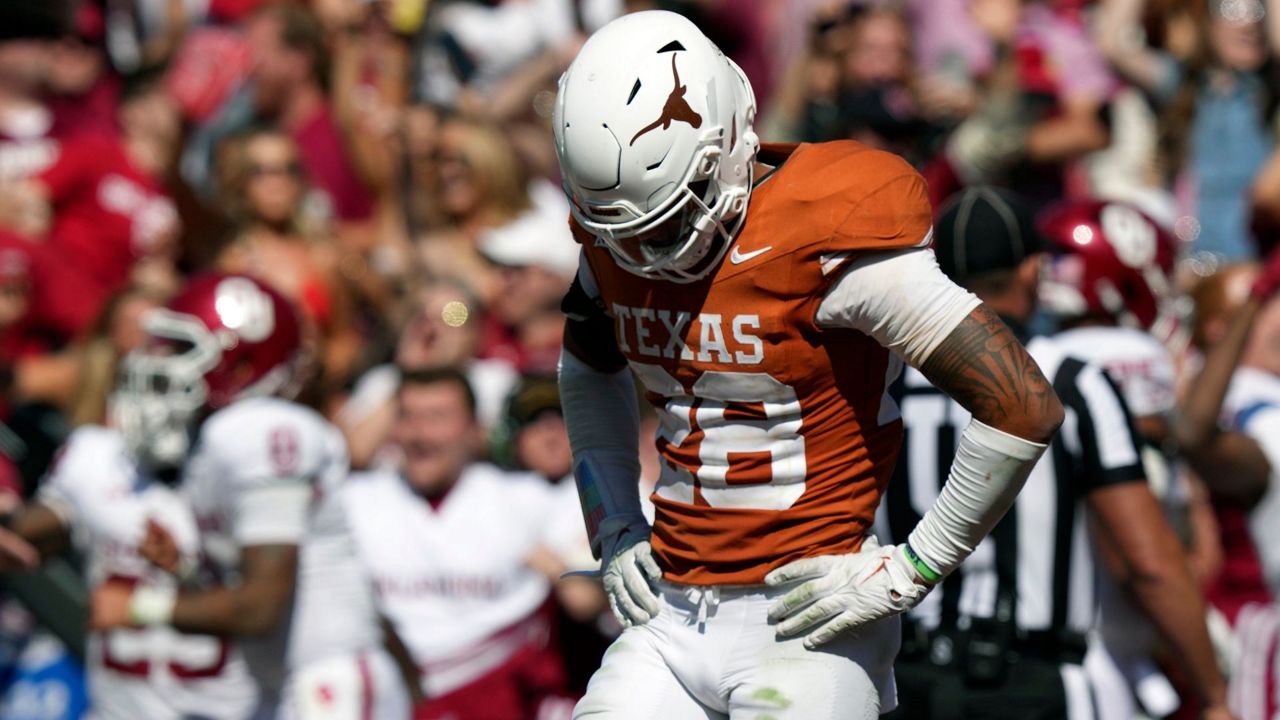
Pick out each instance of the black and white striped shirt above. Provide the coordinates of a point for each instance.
(1036, 568)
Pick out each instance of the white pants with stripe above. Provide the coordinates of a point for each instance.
(359, 686)
(712, 654)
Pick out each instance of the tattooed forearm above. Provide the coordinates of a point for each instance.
(984, 368)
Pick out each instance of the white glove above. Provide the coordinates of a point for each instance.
(629, 574)
(844, 591)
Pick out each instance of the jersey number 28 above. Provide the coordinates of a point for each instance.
(735, 436)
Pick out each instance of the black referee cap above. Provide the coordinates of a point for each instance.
(984, 229)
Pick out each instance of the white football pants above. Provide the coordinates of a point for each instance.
(712, 654)
(359, 686)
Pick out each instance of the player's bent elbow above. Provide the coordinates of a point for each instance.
(1053, 418)
(1040, 424)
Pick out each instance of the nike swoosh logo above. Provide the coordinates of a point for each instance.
(884, 562)
(737, 258)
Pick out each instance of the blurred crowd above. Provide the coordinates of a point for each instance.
(388, 166)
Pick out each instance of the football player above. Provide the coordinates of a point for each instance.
(763, 297)
(1231, 435)
(97, 499)
(1109, 281)
(209, 393)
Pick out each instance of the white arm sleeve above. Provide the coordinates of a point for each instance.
(603, 422)
(1264, 518)
(272, 514)
(901, 298)
(986, 475)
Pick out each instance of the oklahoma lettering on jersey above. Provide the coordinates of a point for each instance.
(454, 579)
(776, 436)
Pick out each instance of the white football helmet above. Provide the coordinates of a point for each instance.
(653, 129)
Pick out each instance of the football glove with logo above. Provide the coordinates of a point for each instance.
(840, 592)
(629, 574)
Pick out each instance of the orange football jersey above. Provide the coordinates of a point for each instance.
(776, 436)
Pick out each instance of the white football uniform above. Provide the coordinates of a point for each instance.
(1252, 406)
(1119, 663)
(155, 673)
(265, 471)
(453, 579)
(712, 653)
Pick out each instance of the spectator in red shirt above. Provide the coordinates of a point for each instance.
(289, 71)
(109, 215)
(27, 28)
(85, 92)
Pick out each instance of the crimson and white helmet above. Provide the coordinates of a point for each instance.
(1109, 260)
(221, 339)
(653, 129)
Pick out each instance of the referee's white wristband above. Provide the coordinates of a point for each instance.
(152, 605)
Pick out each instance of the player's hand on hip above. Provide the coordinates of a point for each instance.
(629, 576)
(840, 592)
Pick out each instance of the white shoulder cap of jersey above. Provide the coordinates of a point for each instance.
(270, 439)
(92, 468)
(85, 453)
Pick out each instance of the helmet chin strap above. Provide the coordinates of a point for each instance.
(684, 267)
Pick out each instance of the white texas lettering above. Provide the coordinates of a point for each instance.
(655, 333)
(742, 337)
(642, 332)
(675, 335)
(712, 339)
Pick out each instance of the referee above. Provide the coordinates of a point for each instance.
(1004, 635)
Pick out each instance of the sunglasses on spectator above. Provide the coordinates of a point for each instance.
(292, 169)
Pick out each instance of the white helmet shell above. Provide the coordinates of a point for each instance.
(654, 123)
